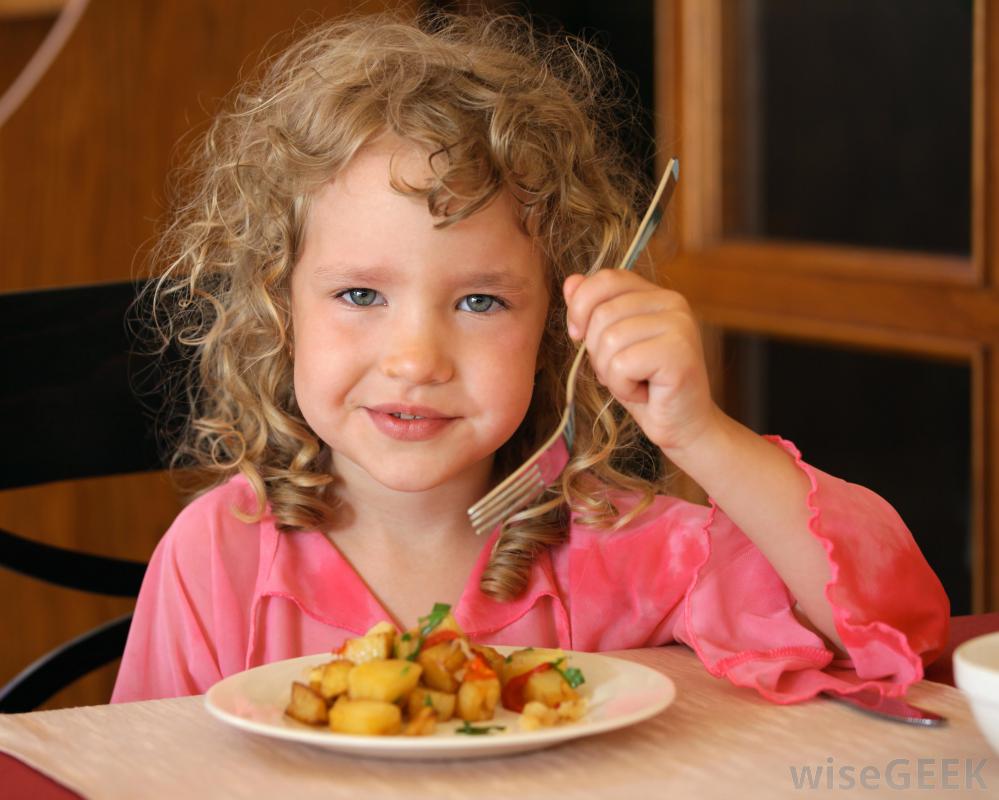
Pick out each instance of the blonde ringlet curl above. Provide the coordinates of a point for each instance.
(499, 106)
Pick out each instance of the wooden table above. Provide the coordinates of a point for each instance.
(716, 740)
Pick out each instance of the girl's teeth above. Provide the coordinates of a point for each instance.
(406, 416)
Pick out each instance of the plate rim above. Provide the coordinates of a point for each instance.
(415, 745)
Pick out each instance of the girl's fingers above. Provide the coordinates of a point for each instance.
(621, 334)
(632, 372)
(584, 293)
(572, 283)
(658, 308)
(596, 301)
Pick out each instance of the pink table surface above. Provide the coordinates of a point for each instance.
(21, 781)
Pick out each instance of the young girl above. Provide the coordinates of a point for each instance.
(398, 238)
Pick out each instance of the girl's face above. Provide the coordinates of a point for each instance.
(395, 319)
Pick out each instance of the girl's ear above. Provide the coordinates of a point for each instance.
(539, 359)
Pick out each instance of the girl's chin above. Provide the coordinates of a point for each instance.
(414, 484)
(416, 477)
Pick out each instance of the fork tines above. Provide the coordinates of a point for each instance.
(516, 492)
(545, 466)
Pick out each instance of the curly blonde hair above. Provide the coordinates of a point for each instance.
(511, 108)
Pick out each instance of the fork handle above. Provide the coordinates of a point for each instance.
(570, 383)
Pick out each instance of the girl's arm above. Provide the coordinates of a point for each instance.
(644, 345)
(761, 489)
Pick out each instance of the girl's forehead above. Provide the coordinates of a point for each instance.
(361, 215)
(386, 160)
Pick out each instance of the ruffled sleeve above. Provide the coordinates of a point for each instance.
(889, 607)
(188, 629)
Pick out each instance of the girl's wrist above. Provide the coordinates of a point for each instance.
(704, 454)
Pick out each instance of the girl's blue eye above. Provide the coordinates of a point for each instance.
(479, 303)
(359, 297)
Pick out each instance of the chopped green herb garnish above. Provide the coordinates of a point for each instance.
(427, 624)
(406, 669)
(480, 730)
(428, 700)
(407, 636)
(434, 618)
(573, 676)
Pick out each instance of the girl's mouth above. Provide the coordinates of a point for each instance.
(405, 426)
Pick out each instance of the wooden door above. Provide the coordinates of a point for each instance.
(894, 295)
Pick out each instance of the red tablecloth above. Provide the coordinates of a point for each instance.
(961, 629)
(21, 781)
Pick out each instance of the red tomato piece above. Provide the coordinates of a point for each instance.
(437, 637)
(513, 692)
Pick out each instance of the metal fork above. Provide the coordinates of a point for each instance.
(543, 468)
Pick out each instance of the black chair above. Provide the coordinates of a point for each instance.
(67, 410)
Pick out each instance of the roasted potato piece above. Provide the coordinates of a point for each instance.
(522, 661)
(333, 679)
(549, 687)
(412, 640)
(377, 643)
(407, 644)
(423, 723)
(537, 715)
(439, 663)
(307, 705)
(389, 680)
(571, 710)
(477, 699)
(381, 628)
(442, 703)
(448, 623)
(490, 655)
(316, 677)
(367, 717)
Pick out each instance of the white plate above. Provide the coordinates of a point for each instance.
(619, 693)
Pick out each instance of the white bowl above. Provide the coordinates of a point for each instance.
(976, 673)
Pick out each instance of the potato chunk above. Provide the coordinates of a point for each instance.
(549, 687)
(477, 699)
(423, 723)
(522, 661)
(370, 647)
(490, 655)
(439, 663)
(537, 715)
(306, 705)
(442, 703)
(407, 644)
(333, 679)
(389, 680)
(366, 717)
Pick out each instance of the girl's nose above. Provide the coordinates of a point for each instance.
(418, 358)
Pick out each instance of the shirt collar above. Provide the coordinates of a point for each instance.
(308, 570)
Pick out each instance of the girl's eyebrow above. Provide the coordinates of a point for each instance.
(352, 273)
(497, 280)
(494, 280)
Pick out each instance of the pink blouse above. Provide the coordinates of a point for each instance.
(221, 596)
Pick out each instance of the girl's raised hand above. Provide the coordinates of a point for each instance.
(645, 347)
